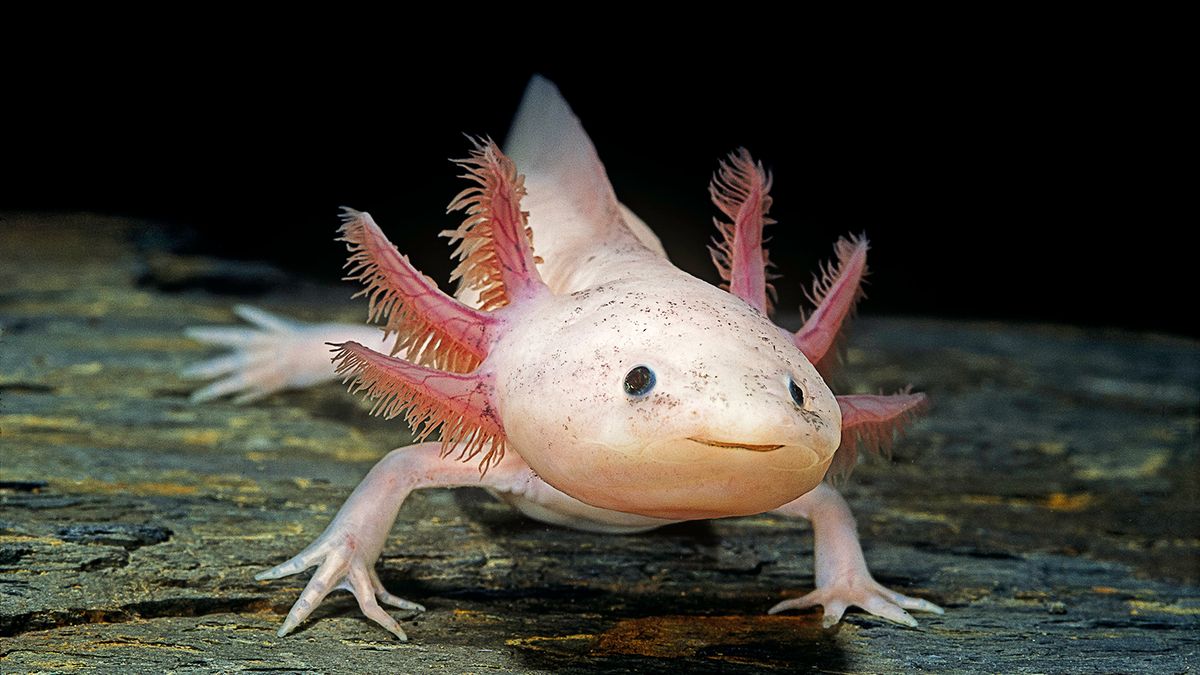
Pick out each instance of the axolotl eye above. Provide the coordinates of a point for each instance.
(797, 393)
(639, 381)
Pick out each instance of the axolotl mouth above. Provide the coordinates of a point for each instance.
(693, 477)
(743, 446)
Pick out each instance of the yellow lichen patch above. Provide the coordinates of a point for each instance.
(86, 369)
(1060, 501)
(117, 642)
(475, 616)
(925, 517)
(139, 644)
(1052, 447)
(231, 482)
(221, 532)
(149, 344)
(984, 500)
(1139, 606)
(351, 448)
(199, 436)
(147, 488)
(312, 507)
(302, 442)
(551, 642)
(1150, 466)
(969, 594)
(376, 645)
(36, 422)
(766, 521)
(188, 485)
(1055, 501)
(53, 665)
(28, 539)
(166, 489)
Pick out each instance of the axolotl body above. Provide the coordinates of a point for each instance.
(579, 375)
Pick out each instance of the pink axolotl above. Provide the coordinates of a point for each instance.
(591, 384)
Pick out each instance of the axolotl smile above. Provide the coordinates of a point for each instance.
(743, 446)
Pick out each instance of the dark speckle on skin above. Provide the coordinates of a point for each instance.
(491, 414)
(812, 418)
(663, 400)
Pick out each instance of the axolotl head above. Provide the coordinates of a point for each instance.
(667, 397)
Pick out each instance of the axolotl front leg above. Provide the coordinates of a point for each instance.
(841, 573)
(346, 551)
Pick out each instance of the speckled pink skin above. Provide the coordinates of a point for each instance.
(719, 435)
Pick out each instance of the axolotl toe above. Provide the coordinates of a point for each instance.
(586, 380)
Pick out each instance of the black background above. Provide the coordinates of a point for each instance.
(1003, 179)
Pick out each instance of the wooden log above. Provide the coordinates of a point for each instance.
(1049, 502)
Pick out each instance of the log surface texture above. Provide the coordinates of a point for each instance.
(1048, 502)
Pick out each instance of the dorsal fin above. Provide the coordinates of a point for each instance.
(548, 144)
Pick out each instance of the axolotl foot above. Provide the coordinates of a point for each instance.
(341, 565)
(843, 579)
(270, 354)
(862, 591)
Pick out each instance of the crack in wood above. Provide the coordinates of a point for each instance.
(16, 624)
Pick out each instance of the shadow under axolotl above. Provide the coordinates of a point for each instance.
(670, 609)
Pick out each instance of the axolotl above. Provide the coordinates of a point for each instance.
(581, 377)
